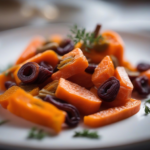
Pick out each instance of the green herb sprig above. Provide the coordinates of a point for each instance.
(147, 109)
(3, 122)
(87, 38)
(87, 134)
(38, 134)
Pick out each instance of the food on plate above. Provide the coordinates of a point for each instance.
(141, 85)
(103, 71)
(30, 51)
(49, 57)
(83, 79)
(114, 114)
(126, 87)
(84, 100)
(69, 80)
(69, 65)
(24, 105)
(108, 91)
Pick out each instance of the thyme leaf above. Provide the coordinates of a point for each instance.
(147, 109)
(87, 134)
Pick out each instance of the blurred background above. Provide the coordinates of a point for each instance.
(127, 14)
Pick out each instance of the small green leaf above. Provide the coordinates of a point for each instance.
(147, 110)
(148, 101)
(41, 134)
(37, 134)
(31, 133)
(3, 122)
(87, 134)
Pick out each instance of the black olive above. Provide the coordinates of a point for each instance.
(141, 85)
(91, 68)
(109, 89)
(143, 67)
(72, 117)
(9, 84)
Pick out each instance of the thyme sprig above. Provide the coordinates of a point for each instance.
(87, 134)
(87, 38)
(38, 134)
(147, 109)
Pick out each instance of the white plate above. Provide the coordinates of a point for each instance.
(130, 130)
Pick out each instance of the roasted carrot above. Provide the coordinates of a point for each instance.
(32, 109)
(56, 38)
(83, 79)
(78, 45)
(72, 63)
(116, 45)
(3, 79)
(35, 91)
(94, 91)
(115, 48)
(103, 71)
(4, 98)
(114, 114)
(129, 66)
(30, 51)
(7, 76)
(85, 101)
(125, 90)
(48, 56)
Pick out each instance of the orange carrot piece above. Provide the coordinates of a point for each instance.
(103, 71)
(3, 79)
(7, 76)
(115, 48)
(78, 64)
(116, 45)
(4, 98)
(85, 101)
(35, 91)
(125, 90)
(83, 79)
(94, 91)
(48, 56)
(114, 114)
(32, 109)
(78, 45)
(56, 38)
(129, 66)
(30, 51)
